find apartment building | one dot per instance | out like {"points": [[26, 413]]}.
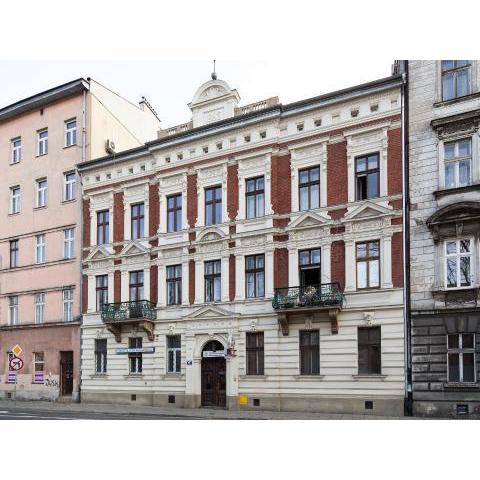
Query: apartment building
{"points": [[250, 258], [42, 140]]}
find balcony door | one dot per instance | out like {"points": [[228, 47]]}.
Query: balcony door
{"points": [[136, 294], [309, 267]]}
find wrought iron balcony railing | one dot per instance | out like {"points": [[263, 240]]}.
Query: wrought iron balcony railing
{"points": [[140, 309], [324, 295]]}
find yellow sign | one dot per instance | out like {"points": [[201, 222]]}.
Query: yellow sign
{"points": [[17, 350], [242, 399]]}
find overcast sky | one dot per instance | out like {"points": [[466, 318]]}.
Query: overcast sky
{"points": [[170, 85]]}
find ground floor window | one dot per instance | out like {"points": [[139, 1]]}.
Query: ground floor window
{"points": [[174, 353], [101, 355], [255, 353], [309, 352], [38, 367], [11, 374], [369, 351], [135, 358], [461, 358]]}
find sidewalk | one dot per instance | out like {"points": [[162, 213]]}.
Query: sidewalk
{"points": [[193, 413]]}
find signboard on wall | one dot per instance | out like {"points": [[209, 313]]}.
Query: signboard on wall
{"points": [[12, 377], [120, 351], [219, 353]]}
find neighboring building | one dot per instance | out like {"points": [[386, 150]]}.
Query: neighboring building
{"points": [[251, 258], [444, 117], [42, 140]]}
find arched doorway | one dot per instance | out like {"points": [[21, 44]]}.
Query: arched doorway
{"points": [[214, 371]]}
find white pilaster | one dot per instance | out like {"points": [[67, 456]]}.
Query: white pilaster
{"points": [[124, 287], [225, 279], [350, 267], [92, 300], [199, 282], [239, 277], [269, 289], [185, 282], [162, 285], [386, 261], [293, 279], [326, 264]]}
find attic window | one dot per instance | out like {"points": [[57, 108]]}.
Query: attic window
{"points": [[130, 170], [167, 159], [109, 176], [142, 168], [205, 149], [300, 127], [354, 112], [374, 107], [219, 145], [179, 156], [263, 134], [318, 122], [247, 138]]}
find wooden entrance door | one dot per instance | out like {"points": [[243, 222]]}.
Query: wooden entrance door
{"points": [[66, 373], [214, 393]]}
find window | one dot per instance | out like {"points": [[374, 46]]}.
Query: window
{"points": [[103, 227], [368, 264], [458, 163], [69, 187], [69, 243], [458, 257], [39, 307], [38, 367], [70, 132], [101, 290], [16, 145], [174, 354], [309, 352], [461, 358], [255, 353], [369, 351], [138, 220], [255, 197], [455, 78], [255, 275], [100, 355], [213, 205], [42, 187], [310, 267], [14, 253], [15, 199], [367, 176], [309, 188], [12, 376], [213, 278], [42, 142], [174, 213], [68, 305], [40, 248], [135, 358], [174, 285], [13, 310], [136, 286]]}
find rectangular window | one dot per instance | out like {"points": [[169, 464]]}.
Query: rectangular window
{"points": [[101, 290], [135, 358], [461, 358], [309, 352], [174, 354], [42, 142], [213, 281], [103, 227], [369, 351], [11, 378], [458, 163], [455, 78], [40, 248], [137, 220], [15, 199], [14, 253], [70, 132], [310, 268], [174, 213], [174, 285], [38, 367], [458, 263], [68, 305], [39, 307], [136, 286], [213, 205], [368, 264], [13, 310], [255, 353], [309, 188], [69, 243], [255, 197], [367, 176], [255, 276], [42, 187], [100, 355], [16, 146], [70, 182]]}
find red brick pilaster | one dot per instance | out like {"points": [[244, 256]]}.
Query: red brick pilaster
{"points": [[154, 283], [281, 184], [232, 189], [394, 159], [337, 173], [84, 293], [337, 260], [117, 286], [153, 212], [280, 268], [118, 216], [397, 259], [192, 200]]}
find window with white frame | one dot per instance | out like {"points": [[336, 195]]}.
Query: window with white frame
{"points": [[174, 285], [69, 243], [458, 163], [458, 263], [461, 358], [455, 78], [174, 353], [15, 199], [70, 182], [213, 281], [309, 188], [70, 132], [42, 142], [42, 187], [68, 305], [368, 264], [16, 145], [255, 197], [39, 307], [40, 248], [100, 355], [13, 310], [38, 367]]}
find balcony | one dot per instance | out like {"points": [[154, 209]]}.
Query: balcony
{"points": [[141, 313], [327, 297]]}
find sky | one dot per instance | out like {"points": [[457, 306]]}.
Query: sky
{"points": [[170, 85]]}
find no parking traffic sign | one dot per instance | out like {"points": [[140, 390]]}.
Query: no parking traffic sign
{"points": [[16, 364]]}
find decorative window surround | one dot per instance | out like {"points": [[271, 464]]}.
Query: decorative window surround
{"points": [[101, 201], [172, 257], [305, 155], [125, 279], [92, 296], [362, 142], [132, 194]]}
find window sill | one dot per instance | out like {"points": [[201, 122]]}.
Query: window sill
{"points": [[461, 386], [41, 155], [12, 214], [68, 201], [173, 376], [452, 191], [367, 377], [133, 375], [308, 378], [69, 146], [255, 378], [43, 207], [98, 375], [453, 101]]}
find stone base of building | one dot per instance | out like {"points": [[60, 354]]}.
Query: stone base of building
{"points": [[448, 409]]}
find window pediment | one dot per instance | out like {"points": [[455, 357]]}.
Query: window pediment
{"points": [[367, 211], [308, 219]]}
